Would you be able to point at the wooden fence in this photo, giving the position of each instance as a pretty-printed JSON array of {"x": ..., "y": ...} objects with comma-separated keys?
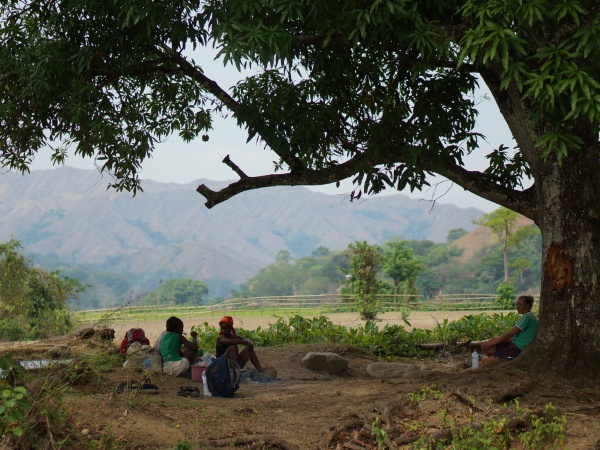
[{"x": 284, "y": 305}]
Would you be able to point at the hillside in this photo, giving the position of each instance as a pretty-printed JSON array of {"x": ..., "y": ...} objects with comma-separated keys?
[
  {"x": 476, "y": 242},
  {"x": 69, "y": 214}
]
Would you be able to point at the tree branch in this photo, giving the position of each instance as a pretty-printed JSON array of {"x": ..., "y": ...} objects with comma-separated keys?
[
  {"x": 472, "y": 181},
  {"x": 279, "y": 146},
  {"x": 211, "y": 86},
  {"x": 479, "y": 184},
  {"x": 235, "y": 167},
  {"x": 305, "y": 177}
]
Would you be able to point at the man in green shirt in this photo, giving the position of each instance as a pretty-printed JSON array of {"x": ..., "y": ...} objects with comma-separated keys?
[{"x": 512, "y": 343}]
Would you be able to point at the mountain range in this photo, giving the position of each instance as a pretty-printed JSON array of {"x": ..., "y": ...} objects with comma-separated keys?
[{"x": 71, "y": 215}]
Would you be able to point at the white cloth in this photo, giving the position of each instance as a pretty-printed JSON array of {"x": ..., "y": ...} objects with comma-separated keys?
[
  {"x": 174, "y": 368},
  {"x": 137, "y": 354}
]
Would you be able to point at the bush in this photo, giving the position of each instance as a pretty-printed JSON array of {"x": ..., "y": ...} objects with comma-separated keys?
[
  {"x": 11, "y": 330},
  {"x": 506, "y": 296},
  {"x": 36, "y": 417}
]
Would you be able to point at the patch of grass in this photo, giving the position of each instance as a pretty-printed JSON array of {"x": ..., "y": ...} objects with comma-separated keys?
[
  {"x": 36, "y": 417},
  {"x": 106, "y": 441},
  {"x": 489, "y": 429},
  {"x": 103, "y": 361}
]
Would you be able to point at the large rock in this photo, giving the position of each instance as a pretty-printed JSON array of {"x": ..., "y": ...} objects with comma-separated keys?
[
  {"x": 331, "y": 363},
  {"x": 389, "y": 370}
]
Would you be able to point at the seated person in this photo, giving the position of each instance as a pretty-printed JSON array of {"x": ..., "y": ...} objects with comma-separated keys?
[
  {"x": 512, "y": 343},
  {"x": 178, "y": 354},
  {"x": 227, "y": 344},
  {"x": 156, "y": 349}
]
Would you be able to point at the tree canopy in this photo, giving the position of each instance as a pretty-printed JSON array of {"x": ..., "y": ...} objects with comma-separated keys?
[
  {"x": 32, "y": 301},
  {"x": 179, "y": 291},
  {"x": 384, "y": 91}
]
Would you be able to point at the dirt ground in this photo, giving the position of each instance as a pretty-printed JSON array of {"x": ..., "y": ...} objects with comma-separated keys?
[{"x": 302, "y": 409}]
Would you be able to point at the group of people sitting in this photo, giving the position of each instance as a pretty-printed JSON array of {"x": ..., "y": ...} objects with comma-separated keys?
[{"x": 177, "y": 354}]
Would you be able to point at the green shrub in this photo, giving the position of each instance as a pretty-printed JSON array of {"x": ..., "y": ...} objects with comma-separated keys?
[
  {"x": 390, "y": 342},
  {"x": 14, "y": 404},
  {"x": 506, "y": 296},
  {"x": 11, "y": 330}
]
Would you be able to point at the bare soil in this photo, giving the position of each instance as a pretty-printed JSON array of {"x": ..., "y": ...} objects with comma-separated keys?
[{"x": 302, "y": 409}]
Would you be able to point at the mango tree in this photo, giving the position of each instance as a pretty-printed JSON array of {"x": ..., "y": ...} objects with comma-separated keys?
[{"x": 384, "y": 91}]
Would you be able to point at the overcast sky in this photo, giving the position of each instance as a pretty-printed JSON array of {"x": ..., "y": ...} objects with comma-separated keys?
[{"x": 177, "y": 162}]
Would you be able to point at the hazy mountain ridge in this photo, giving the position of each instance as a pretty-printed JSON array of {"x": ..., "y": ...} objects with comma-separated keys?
[{"x": 70, "y": 213}]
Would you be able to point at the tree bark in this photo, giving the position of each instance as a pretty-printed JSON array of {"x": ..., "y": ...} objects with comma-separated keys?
[{"x": 567, "y": 213}]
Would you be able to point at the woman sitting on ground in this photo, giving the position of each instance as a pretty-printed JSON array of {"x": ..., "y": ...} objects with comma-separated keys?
[{"x": 178, "y": 354}]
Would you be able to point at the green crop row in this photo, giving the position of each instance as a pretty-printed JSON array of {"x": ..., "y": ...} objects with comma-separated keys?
[{"x": 389, "y": 342}]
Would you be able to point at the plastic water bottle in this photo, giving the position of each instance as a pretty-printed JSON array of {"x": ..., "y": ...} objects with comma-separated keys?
[
  {"x": 207, "y": 360},
  {"x": 474, "y": 359},
  {"x": 206, "y": 391}
]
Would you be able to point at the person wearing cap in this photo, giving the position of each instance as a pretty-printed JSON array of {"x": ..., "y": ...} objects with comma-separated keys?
[{"x": 227, "y": 344}]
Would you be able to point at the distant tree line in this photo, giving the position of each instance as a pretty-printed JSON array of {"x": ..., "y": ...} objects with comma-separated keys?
[
  {"x": 408, "y": 267},
  {"x": 404, "y": 267}
]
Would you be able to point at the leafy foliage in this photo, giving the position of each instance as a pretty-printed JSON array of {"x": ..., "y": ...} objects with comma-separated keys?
[
  {"x": 14, "y": 405},
  {"x": 390, "y": 342},
  {"x": 503, "y": 223},
  {"x": 12, "y": 331},
  {"x": 320, "y": 273},
  {"x": 379, "y": 90},
  {"x": 364, "y": 264},
  {"x": 506, "y": 296},
  {"x": 401, "y": 266},
  {"x": 32, "y": 301},
  {"x": 179, "y": 291},
  {"x": 33, "y": 417}
]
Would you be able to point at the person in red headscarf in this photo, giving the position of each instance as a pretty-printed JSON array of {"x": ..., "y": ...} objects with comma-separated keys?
[{"x": 227, "y": 344}]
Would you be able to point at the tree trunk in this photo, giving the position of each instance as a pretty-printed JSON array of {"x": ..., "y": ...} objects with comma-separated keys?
[
  {"x": 567, "y": 212},
  {"x": 505, "y": 256}
]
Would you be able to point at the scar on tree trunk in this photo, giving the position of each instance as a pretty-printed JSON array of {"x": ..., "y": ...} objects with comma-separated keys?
[{"x": 559, "y": 267}]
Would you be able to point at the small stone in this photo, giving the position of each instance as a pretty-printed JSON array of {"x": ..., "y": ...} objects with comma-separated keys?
[{"x": 85, "y": 432}]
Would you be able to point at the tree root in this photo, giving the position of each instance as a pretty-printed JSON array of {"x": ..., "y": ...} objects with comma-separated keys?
[
  {"x": 254, "y": 441},
  {"x": 464, "y": 400},
  {"x": 342, "y": 426},
  {"x": 514, "y": 391}
]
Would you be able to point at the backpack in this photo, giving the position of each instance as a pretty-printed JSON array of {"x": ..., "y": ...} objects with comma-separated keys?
[
  {"x": 133, "y": 335},
  {"x": 223, "y": 377}
]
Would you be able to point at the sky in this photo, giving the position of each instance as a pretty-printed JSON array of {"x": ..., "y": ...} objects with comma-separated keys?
[{"x": 174, "y": 161}]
